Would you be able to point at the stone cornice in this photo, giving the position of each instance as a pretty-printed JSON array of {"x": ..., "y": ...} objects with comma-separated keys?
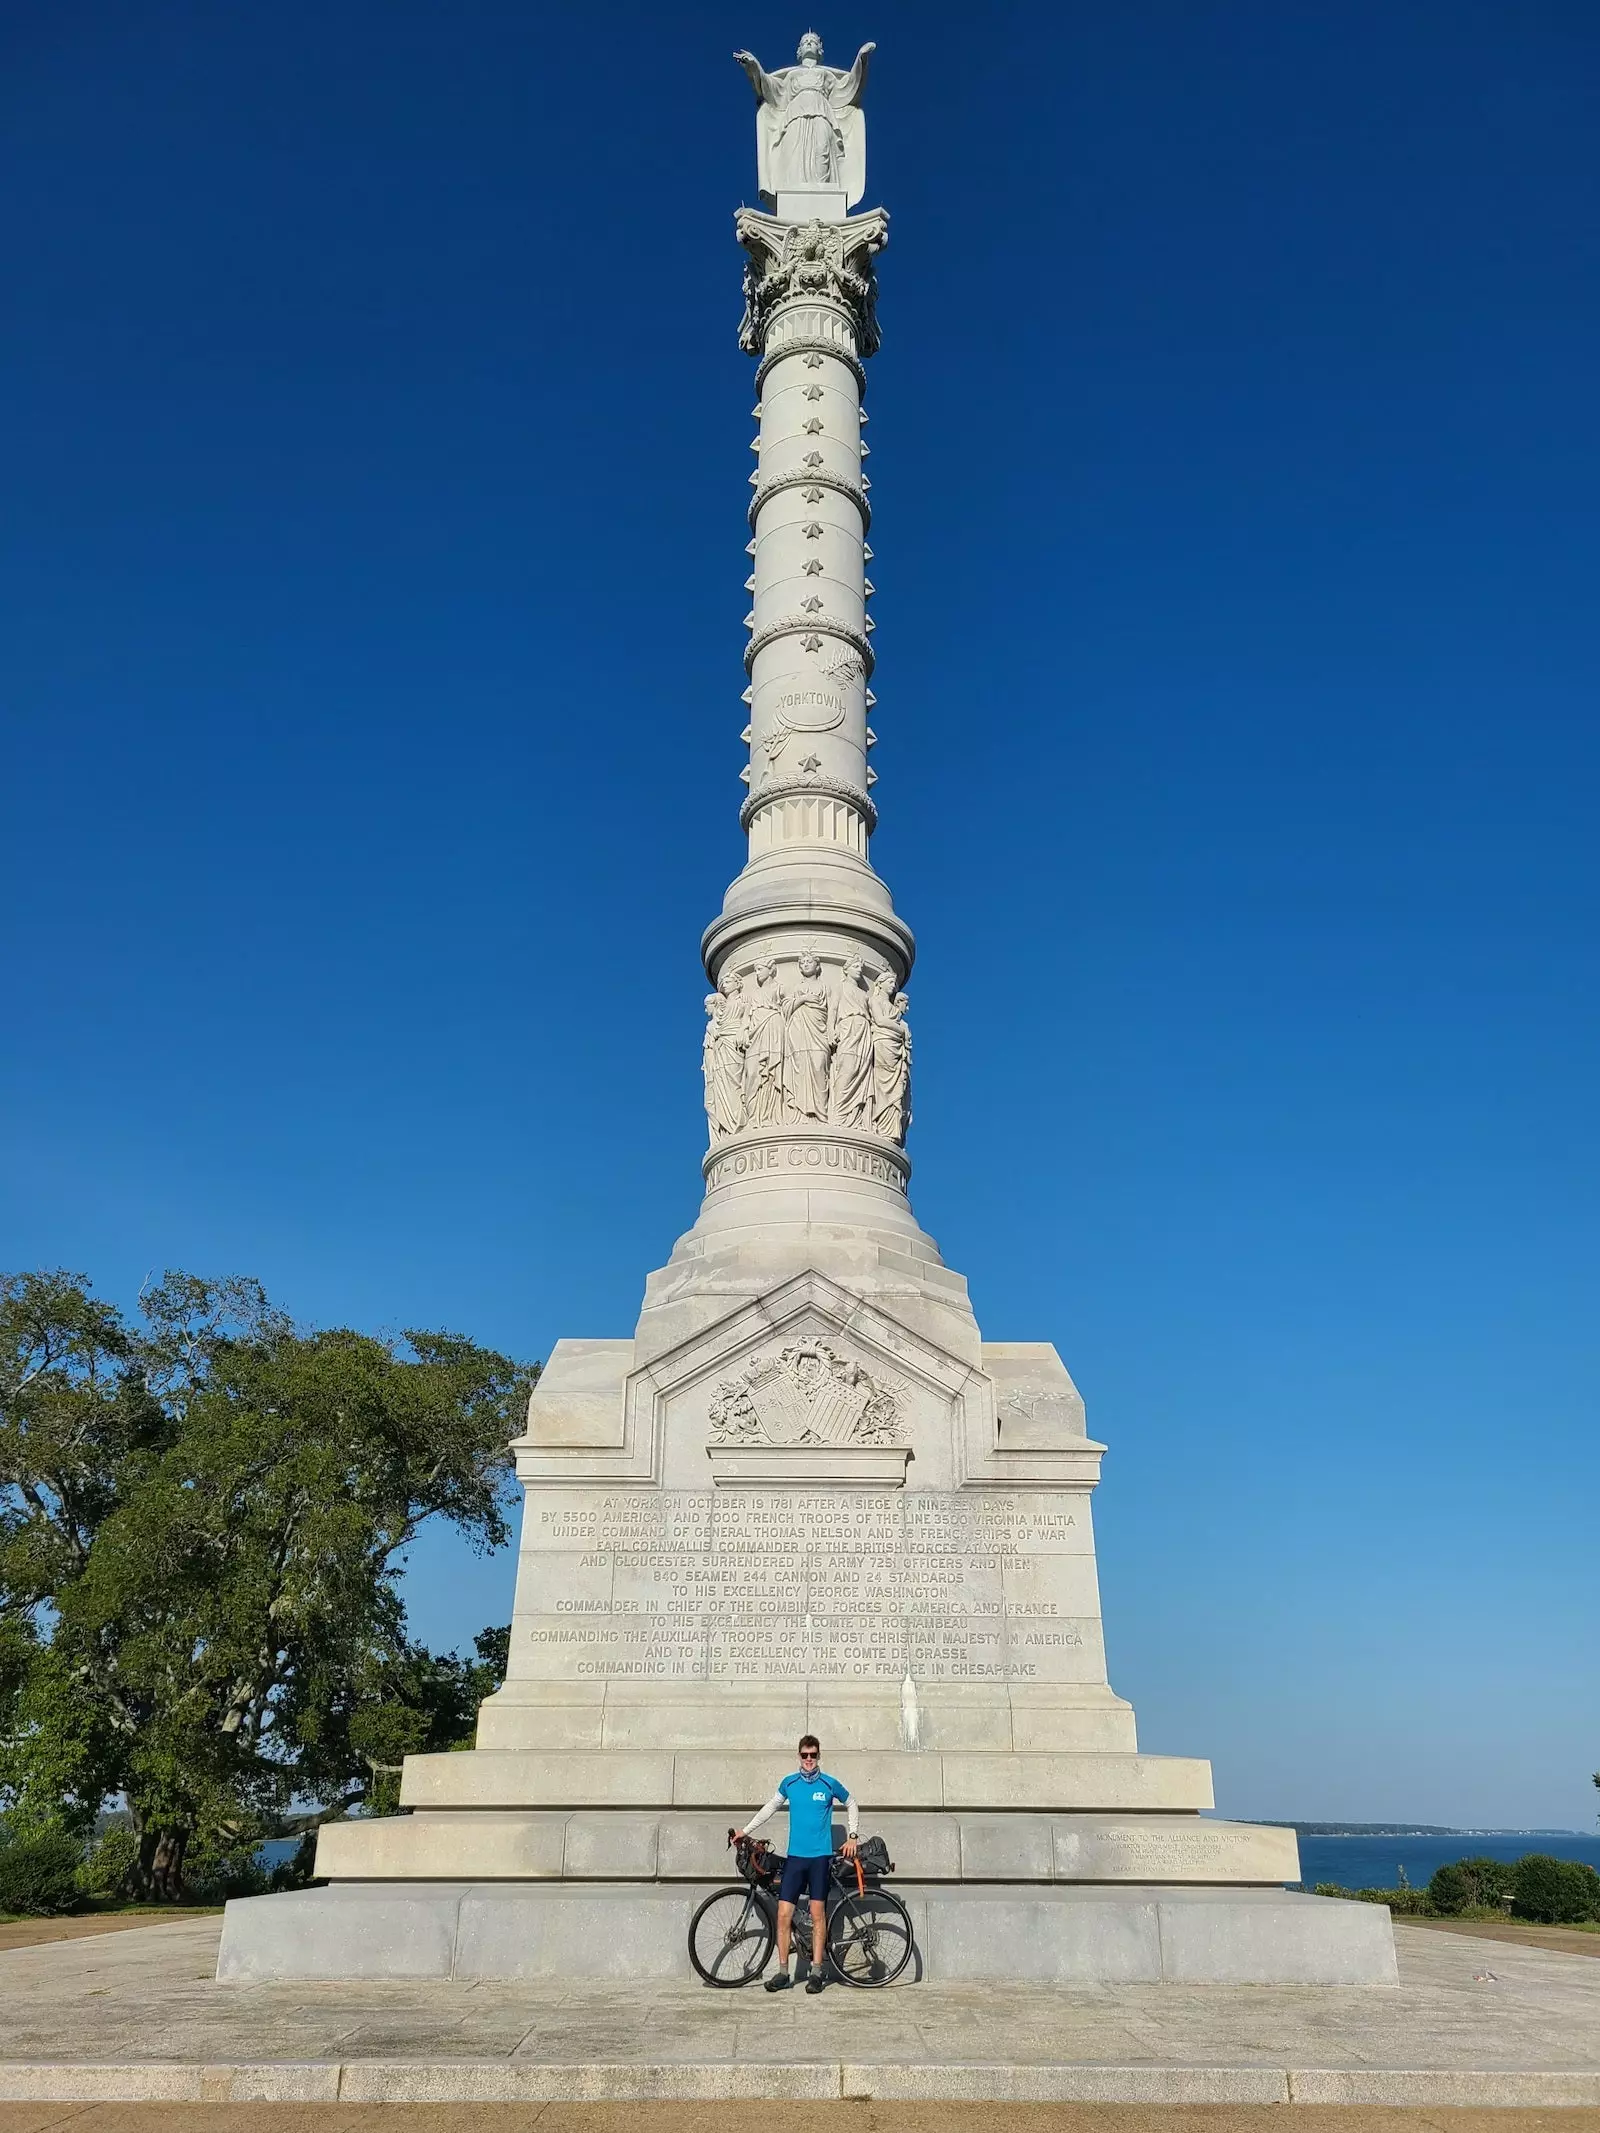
[
  {"x": 810, "y": 626},
  {"x": 806, "y": 478},
  {"x": 801, "y": 788}
]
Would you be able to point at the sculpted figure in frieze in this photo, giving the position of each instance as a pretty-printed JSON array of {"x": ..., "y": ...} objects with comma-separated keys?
[
  {"x": 708, "y": 1053},
  {"x": 811, "y": 133},
  {"x": 726, "y": 1039},
  {"x": 763, "y": 1057},
  {"x": 891, "y": 1058},
  {"x": 850, "y": 1100},
  {"x": 806, "y": 1394},
  {"x": 806, "y": 1044}
]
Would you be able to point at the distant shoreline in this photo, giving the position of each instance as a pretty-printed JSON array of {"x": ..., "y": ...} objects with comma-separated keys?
[{"x": 1410, "y": 1829}]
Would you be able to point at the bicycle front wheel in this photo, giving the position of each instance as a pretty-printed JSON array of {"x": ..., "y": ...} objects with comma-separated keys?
[
  {"x": 730, "y": 1937},
  {"x": 869, "y": 1938}
]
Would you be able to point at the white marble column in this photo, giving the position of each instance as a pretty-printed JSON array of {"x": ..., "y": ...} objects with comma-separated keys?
[{"x": 808, "y": 955}]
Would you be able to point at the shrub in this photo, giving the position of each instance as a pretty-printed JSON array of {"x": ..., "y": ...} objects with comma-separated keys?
[
  {"x": 1555, "y": 1892},
  {"x": 1490, "y": 1878},
  {"x": 1404, "y": 1902},
  {"x": 1470, "y": 1885},
  {"x": 1450, "y": 1890},
  {"x": 295, "y": 1871},
  {"x": 39, "y": 1873},
  {"x": 109, "y": 1861},
  {"x": 216, "y": 1876}
]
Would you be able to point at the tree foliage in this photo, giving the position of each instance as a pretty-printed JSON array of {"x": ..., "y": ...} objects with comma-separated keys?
[
  {"x": 202, "y": 1521},
  {"x": 1555, "y": 1892},
  {"x": 1470, "y": 1885},
  {"x": 39, "y": 1872}
]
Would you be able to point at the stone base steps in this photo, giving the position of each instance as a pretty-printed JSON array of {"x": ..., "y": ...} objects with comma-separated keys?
[
  {"x": 682, "y": 1845},
  {"x": 977, "y": 1779},
  {"x": 1057, "y": 1935}
]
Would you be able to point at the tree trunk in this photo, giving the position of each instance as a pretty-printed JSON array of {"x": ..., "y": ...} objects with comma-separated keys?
[{"x": 158, "y": 1872}]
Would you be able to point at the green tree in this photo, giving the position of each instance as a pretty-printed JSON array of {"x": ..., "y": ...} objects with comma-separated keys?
[
  {"x": 1556, "y": 1892},
  {"x": 202, "y": 1528}
]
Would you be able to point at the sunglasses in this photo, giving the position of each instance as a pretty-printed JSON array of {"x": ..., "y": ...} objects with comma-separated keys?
[{"x": 811, "y": 1755}]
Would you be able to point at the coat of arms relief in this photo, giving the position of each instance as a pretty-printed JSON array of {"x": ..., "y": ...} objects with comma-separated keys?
[{"x": 806, "y": 1394}]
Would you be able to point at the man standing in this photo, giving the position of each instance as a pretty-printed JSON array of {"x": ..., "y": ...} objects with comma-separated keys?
[{"x": 809, "y": 1794}]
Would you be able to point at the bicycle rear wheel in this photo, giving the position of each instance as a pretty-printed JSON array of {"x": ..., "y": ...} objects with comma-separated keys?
[
  {"x": 730, "y": 1937},
  {"x": 869, "y": 1938}
]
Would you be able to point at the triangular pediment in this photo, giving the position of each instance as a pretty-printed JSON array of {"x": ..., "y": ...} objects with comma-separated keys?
[
  {"x": 808, "y": 1306},
  {"x": 807, "y": 1385}
]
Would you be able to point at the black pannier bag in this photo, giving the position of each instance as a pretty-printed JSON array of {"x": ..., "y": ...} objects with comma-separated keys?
[
  {"x": 872, "y": 1855},
  {"x": 766, "y": 1867}
]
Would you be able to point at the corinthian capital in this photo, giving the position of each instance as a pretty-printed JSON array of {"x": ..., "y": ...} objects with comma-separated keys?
[{"x": 828, "y": 261}]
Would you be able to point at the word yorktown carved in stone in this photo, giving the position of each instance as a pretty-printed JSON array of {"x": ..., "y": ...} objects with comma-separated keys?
[
  {"x": 794, "y": 1053},
  {"x": 806, "y": 1394}
]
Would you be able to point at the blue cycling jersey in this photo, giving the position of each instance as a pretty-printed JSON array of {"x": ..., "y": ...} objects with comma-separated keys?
[{"x": 810, "y": 1801}]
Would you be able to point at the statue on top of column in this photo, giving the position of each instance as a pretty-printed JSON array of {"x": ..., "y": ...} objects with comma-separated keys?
[{"x": 811, "y": 133}]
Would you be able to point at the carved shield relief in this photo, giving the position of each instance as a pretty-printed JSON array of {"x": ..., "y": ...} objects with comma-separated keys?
[{"x": 807, "y": 1393}]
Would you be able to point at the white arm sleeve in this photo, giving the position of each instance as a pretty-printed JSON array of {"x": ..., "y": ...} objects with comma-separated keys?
[
  {"x": 850, "y": 1817},
  {"x": 764, "y": 1814}
]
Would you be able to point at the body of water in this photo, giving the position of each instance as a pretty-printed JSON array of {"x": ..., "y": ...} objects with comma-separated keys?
[{"x": 1374, "y": 1862}]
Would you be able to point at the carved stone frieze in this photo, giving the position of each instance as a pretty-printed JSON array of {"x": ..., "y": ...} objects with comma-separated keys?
[
  {"x": 794, "y": 1051},
  {"x": 806, "y": 1394}
]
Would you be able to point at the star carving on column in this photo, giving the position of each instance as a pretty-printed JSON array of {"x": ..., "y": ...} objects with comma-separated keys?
[
  {"x": 813, "y": 361},
  {"x": 811, "y": 642},
  {"x": 813, "y": 606},
  {"x": 813, "y": 392},
  {"x": 812, "y": 459},
  {"x": 812, "y": 496},
  {"x": 812, "y": 529},
  {"x": 814, "y": 426},
  {"x": 813, "y": 568},
  {"x": 810, "y": 765}
]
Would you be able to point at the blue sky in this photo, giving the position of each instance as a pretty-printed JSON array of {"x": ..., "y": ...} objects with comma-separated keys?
[{"x": 369, "y": 670}]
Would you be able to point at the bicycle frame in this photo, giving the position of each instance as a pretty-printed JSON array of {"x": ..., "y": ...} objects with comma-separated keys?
[{"x": 758, "y": 1892}]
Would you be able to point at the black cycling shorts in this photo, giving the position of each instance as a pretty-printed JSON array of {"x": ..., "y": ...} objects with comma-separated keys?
[{"x": 808, "y": 1874}]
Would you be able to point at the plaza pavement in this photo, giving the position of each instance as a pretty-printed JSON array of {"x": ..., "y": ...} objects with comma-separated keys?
[
  {"x": 137, "y": 2016},
  {"x": 759, "y": 2118}
]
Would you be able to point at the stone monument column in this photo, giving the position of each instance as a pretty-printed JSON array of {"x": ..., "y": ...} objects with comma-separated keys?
[{"x": 806, "y": 1494}]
